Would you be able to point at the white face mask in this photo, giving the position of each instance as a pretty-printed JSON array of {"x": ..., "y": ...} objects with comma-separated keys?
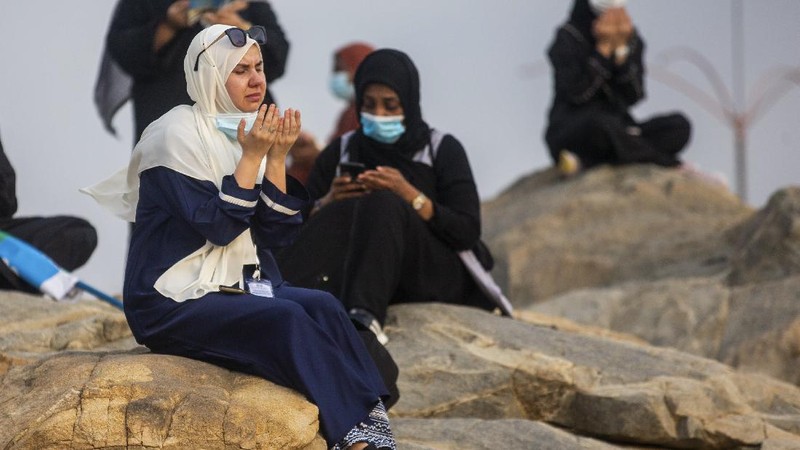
[
  {"x": 229, "y": 123},
  {"x": 600, "y": 6}
]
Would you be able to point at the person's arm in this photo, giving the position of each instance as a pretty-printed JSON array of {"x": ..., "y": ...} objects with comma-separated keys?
[
  {"x": 628, "y": 80},
  {"x": 219, "y": 215},
  {"x": 276, "y": 50},
  {"x": 176, "y": 20},
  {"x": 580, "y": 71},
  {"x": 132, "y": 36},
  {"x": 8, "y": 187},
  {"x": 618, "y": 42},
  {"x": 279, "y": 215},
  {"x": 456, "y": 218}
]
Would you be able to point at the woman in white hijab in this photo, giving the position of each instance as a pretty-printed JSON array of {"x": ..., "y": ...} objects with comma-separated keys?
[{"x": 207, "y": 189}]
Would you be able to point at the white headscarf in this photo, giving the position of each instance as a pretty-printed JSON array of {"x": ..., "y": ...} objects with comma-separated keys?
[
  {"x": 186, "y": 140},
  {"x": 600, "y": 6}
]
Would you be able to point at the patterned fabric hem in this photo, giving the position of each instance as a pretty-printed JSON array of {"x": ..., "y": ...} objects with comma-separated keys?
[{"x": 373, "y": 430}]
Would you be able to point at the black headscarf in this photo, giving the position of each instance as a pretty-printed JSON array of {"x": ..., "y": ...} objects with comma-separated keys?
[
  {"x": 581, "y": 18},
  {"x": 394, "y": 69}
]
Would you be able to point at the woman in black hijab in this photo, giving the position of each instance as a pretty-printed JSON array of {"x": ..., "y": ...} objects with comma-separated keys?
[
  {"x": 597, "y": 60},
  {"x": 391, "y": 233}
]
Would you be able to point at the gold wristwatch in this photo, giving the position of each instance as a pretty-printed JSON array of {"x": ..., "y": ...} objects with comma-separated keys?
[{"x": 419, "y": 201}]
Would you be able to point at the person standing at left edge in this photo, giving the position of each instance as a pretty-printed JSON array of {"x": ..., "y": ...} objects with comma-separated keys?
[{"x": 145, "y": 45}]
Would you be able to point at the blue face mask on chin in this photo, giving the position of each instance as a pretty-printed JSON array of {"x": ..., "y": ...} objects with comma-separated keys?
[
  {"x": 385, "y": 129},
  {"x": 228, "y": 123},
  {"x": 341, "y": 86}
]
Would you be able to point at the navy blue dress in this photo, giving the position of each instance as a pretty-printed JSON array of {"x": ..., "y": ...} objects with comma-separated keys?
[{"x": 301, "y": 338}]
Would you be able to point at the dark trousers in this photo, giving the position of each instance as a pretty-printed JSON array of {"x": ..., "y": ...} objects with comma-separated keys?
[
  {"x": 601, "y": 138},
  {"x": 68, "y": 241},
  {"x": 374, "y": 251},
  {"x": 301, "y": 339}
]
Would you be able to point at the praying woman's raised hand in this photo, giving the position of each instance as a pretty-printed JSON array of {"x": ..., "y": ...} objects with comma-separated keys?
[
  {"x": 287, "y": 129},
  {"x": 612, "y": 29},
  {"x": 287, "y": 134},
  {"x": 255, "y": 144}
]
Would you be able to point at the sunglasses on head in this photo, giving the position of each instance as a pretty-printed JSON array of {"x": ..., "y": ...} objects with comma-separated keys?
[{"x": 238, "y": 38}]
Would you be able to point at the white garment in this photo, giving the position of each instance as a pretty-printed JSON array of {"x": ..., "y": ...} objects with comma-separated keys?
[{"x": 186, "y": 140}]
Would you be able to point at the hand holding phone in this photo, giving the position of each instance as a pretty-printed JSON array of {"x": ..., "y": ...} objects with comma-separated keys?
[
  {"x": 207, "y": 5},
  {"x": 199, "y": 7},
  {"x": 354, "y": 169}
]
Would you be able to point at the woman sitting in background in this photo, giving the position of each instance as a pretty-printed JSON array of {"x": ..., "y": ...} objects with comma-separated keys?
[
  {"x": 407, "y": 228},
  {"x": 598, "y": 70}
]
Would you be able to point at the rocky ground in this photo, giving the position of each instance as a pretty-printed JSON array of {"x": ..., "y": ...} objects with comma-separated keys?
[
  {"x": 655, "y": 310},
  {"x": 660, "y": 255}
]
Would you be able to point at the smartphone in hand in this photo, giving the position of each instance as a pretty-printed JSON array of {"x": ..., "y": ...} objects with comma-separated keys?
[
  {"x": 354, "y": 169},
  {"x": 206, "y": 5},
  {"x": 198, "y": 7}
]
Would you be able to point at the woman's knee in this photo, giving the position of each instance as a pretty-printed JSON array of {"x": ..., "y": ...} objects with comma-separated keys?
[
  {"x": 312, "y": 299},
  {"x": 381, "y": 209},
  {"x": 683, "y": 129},
  {"x": 381, "y": 201},
  {"x": 292, "y": 318},
  {"x": 84, "y": 234},
  {"x": 326, "y": 303},
  {"x": 675, "y": 130}
]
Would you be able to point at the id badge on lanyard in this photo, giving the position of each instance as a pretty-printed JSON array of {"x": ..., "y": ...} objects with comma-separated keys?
[{"x": 254, "y": 284}]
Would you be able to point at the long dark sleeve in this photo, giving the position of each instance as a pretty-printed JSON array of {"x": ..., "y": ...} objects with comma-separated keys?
[
  {"x": 218, "y": 215},
  {"x": 456, "y": 218},
  {"x": 582, "y": 75},
  {"x": 131, "y": 34},
  {"x": 580, "y": 72},
  {"x": 278, "y": 217},
  {"x": 628, "y": 78}
]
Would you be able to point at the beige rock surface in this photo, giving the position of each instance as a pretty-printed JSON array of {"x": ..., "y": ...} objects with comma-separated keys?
[
  {"x": 745, "y": 312},
  {"x": 32, "y": 326},
  {"x": 464, "y": 363},
  {"x": 608, "y": 226},
  {"x": 135, "y": 400}
]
